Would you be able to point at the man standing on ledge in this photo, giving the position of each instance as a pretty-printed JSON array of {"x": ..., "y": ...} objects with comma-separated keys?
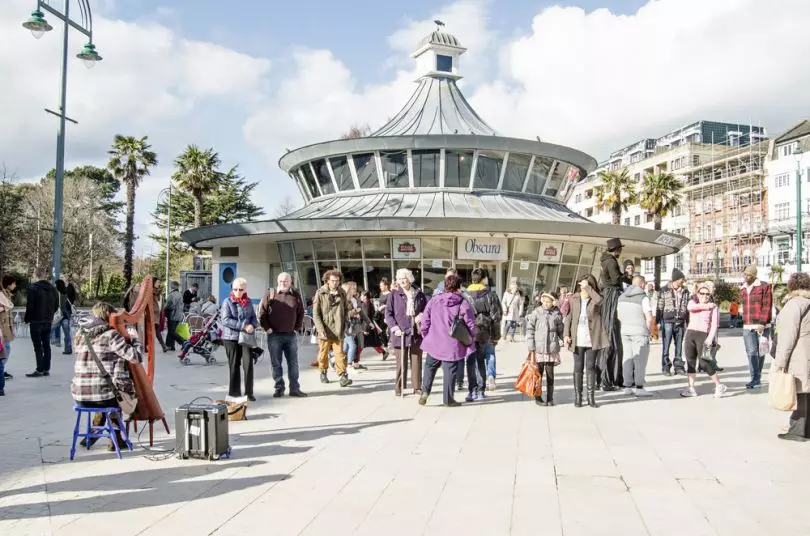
[
  {"x": 281, "y": 315},
  {"x": 330, "y": 311},
  {"x": 610, "y": 281},
  {"x": 757, "y": 300}
]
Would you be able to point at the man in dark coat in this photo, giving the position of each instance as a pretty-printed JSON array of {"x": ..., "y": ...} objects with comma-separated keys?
[
  {"x": 610, "y": 281},
  {"x": 43, "y": 301}
]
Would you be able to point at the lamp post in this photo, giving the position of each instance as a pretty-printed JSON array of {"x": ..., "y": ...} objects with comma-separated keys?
[
  {"x": 38, "y": 26},
  {"x": 168, "y": 192},
  {"x": 797, "y": 153}
]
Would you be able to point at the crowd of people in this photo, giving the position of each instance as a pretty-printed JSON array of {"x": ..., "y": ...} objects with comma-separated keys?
[{"x": 607, "y": 323}]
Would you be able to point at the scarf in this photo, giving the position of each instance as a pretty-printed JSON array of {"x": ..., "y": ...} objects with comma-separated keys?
[
  {"x": 5, "y": 303},
  {"x": 244, "y": 301},
  {"x": 410, "y": 307}
]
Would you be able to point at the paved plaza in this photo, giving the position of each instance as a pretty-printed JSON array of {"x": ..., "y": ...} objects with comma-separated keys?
[{"x": 360, "y": 461}]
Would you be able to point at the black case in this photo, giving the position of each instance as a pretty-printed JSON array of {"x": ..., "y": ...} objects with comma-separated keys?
[{"x": 201, "y": 431}]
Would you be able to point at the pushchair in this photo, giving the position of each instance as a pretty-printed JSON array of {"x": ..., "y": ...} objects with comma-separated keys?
[{"x": 203, "y": 342}]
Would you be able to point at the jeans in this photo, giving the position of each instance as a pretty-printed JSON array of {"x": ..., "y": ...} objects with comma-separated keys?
[
  {"x": 64, "y": 327},
  {"x": 350, "y": 348},
  {"x": 489, "y": 358},
  {"x": 2, "y": 375},
  {"x": 755, "y": 361},
  {"x": 476, "y": 369},
  {"x": 636, "y": 353},
  {"x": 41, "y": 338},
  {"x": 284, "y": 345},
  {"x": 511, "y": 326},
  {"x": 672, "y": 332}
]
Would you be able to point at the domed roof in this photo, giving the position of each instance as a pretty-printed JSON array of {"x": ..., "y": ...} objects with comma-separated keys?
[{"x": 438, "y": 37}]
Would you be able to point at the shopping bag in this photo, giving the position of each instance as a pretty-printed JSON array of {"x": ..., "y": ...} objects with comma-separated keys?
[
  {"x": 183, "y": 330},
  {"x": 782, "y": 390},
  {"x": 529, "y": 381},
  {"x": 764, "y": 346}
]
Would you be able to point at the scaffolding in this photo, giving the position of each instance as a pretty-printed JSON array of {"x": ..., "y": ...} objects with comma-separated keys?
[{"x": 727, "y": 199}]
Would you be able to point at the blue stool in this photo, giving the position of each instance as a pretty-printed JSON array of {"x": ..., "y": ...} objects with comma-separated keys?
[{"x": 106, "y": 431}]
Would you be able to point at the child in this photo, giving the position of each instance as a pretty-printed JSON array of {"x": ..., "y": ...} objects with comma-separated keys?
[{"x": 543, "y": 332}]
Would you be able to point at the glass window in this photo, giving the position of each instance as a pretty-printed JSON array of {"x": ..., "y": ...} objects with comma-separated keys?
[
  {"x": 343, "y": 174},
  {"x": 547, "y": 277},
  {"x": 394, "y": 169},
  {"x": 305, "y": 189},
  {"x": 437, "y": 248},
  {"x": 348, "y": 248},
  {"x": 571, "y": 253},
  {"x": 375, "y": 271},
  {"x": 303, "y": 250},
  {"x": 524, "y": 274},
  {"x": 433, "y": 275},
  {"x": 425, "y": 168},
  {"x": 568, "y": 274},
  {"x": 286, "y": 251},
  {"x": 366, "y": 169},
  {"x": 444, "y": 63},
  {"x": 308, "y": 180},
  {"x": 588, "y": 254},
  {"x": 526, "y": 250},
  {"x": 324, "y": 267},
  {"x": 322, "y": 175},
  {"x": 516, "y": 168},
  {"x": 353, "y": 272},
  {"x": 488, "y": 170},
  {"x": 413, "y": 266},
  {"x": 556, "y": 179},
  {"x": 309, "y": 280},
  {"x": 377, "y": 248},
  {"x": 538, "y": 175},
  {"x": 457, "y": 169},
  {"x": 324, "y": 249}
]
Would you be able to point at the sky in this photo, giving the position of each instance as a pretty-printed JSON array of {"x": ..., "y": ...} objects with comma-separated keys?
[{"x": 253, "y": 81}]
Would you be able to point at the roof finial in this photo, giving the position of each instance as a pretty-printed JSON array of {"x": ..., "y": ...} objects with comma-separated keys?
[{"x": 439, "y": 24}]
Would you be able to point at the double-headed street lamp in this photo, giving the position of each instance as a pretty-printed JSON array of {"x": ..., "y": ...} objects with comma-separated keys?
[
  {"x": 797, "y": 153},
  {"x": 38, "y": 26}
]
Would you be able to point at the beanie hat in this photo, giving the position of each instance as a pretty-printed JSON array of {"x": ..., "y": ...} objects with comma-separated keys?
[
  {"x": 677, "y": 275},
  {"x": 627, "y": 263}
]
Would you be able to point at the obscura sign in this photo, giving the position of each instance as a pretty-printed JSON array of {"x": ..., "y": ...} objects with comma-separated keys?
[{"x": 483, "y": 248}]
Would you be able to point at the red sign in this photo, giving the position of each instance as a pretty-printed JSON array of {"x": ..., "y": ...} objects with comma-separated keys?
[
  {"x": 550, "y": 251},
  {"x": 407, "y": 247}
]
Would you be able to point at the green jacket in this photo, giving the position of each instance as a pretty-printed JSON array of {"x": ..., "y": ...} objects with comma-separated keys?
[{"x": 330, "y": 313}]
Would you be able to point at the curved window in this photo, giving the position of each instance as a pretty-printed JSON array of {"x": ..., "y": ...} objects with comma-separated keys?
[
  {"x": 457, "y": 168},
  {"x": 556, "y": 180},
  {"x": 366, "y": 169},
  {"x": 394, "y": 169},
  {"x": 342, "y": 172},
  {"x": 323, "y": 177},
  {"x": 516, "y": 168},
  {"x": 308, "y": 181},
  {"x": 538, "y": 175},
  {"x": 488, "y": 170},
  {"x": 562, "y": 183},
  {"x": 425, "y": 168}
]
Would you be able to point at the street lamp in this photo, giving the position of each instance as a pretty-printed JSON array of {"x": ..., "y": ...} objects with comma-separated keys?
[
  {"x": 168, "y": 192},
  {"x": 797, "y": 154},
  {"x": 38, "y": 26}
]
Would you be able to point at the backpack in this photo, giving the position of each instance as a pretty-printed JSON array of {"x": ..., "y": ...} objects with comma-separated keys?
[{"x": 483, "y": 320}]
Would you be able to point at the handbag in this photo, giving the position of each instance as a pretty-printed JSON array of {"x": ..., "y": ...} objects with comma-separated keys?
[
  {"x": 459, "y": 330},
  {"x": 237, "y": 411},
  {"x": 127, "y": 402},
  {"x": 247, "y": 339},
  {"x": 529, "y": 381},
  {"x": 781, "y": 389}
]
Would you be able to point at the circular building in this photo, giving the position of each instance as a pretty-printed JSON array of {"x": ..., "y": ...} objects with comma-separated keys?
[{"x": 435, "y": 187}]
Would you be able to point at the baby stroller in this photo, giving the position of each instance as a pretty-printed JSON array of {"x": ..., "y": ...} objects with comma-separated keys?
[{"x": 203, "y": 342}]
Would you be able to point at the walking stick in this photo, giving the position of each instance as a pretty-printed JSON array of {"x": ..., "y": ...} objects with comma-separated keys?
[{"x": 402, "y": 366}]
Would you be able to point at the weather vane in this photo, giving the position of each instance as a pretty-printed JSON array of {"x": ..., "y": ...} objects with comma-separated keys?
[{"x": 439, "y": 24}]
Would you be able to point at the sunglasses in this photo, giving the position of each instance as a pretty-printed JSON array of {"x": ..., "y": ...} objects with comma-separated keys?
[
  {"x": 704, "y": 293},
  {"x": 238, "y": 290}
]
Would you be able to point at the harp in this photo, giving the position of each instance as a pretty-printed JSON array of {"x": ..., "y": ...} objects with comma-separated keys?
[{"x": 142, "y": 315}]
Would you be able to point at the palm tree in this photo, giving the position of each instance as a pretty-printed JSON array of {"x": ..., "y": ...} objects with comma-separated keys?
[
  {"x": 660, "y": 195},
  {"x": 616, "y": 193},
  {"x": 197, "y": 172},
  {"x": 130, "y": 161}
]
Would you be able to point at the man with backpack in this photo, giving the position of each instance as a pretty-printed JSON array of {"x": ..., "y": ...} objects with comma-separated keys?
[{"x": 488, "y": 313}]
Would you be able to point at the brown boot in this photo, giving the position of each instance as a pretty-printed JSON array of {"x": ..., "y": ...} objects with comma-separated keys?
[{"x": 98, "y": 420}]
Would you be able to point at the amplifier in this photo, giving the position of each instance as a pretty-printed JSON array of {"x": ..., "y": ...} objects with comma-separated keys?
[{"x": 201, "y": 431}]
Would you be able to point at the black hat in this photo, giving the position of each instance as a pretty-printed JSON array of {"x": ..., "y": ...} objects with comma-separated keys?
[
  {"x": 677, "y": 275},
  {"x": 627, "y": 263},
  {"x": 614, "y": 244}
]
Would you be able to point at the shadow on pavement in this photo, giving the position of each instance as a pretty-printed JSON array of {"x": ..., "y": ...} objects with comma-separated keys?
[{"x": 155, "y": 487}]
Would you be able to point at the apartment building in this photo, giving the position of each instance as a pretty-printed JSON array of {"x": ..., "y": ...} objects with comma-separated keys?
[
  {"x": 702, "y": 146},
  {"x": 788, "y": 162}
]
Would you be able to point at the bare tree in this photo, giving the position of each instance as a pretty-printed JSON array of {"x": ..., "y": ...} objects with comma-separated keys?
[
  {"x": 10, "y": 221},
  {"x": 356, "y": 131},
  {"x": 285, "y": 207}
]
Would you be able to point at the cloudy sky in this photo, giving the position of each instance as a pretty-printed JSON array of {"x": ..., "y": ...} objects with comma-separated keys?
[{"x": 253, "y": 80}]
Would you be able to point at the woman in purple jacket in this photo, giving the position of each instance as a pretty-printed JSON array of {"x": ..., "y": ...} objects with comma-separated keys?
[
  {"x": 442, "y": 349},
  {"x": 403, "y": 313}
]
